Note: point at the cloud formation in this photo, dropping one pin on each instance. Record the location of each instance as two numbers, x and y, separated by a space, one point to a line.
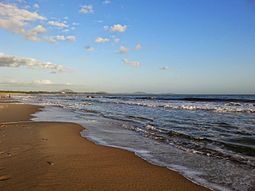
18 83
19 21
15 19
42 82
131 63
34 33
16 62
57 24
102 40
118 28
57 38
86 9
123 50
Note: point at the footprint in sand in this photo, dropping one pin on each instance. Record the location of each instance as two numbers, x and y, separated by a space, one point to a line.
4 178
50 163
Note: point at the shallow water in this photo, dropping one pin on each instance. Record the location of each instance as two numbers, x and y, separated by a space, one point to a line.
209 139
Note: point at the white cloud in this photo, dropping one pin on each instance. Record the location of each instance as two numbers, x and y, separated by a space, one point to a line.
131 63
118 28
42 82
19 21
138 46
164 68
57 38
34 82
16 62
57 24
123 50
15 19
39 29
86 9
106 27
36 5
102 40
89 48
9 82
71 38
106 2
33 34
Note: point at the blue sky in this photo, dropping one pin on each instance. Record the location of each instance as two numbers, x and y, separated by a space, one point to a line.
175 46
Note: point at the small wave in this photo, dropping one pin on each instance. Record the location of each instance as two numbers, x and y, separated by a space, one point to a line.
211 107
219 100
90 111
150 127
200 145
185 98
142 118
242 106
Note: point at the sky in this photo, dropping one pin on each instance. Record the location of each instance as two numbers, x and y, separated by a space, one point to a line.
125 46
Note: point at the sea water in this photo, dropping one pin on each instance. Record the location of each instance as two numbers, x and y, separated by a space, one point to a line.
210 139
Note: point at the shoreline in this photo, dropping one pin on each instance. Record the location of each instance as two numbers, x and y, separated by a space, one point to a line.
67 161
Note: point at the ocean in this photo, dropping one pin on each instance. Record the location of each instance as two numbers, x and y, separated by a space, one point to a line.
210 139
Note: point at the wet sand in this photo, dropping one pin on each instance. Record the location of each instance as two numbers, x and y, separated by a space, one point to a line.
48 156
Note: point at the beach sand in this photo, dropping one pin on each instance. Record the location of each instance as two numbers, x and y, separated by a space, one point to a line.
53 156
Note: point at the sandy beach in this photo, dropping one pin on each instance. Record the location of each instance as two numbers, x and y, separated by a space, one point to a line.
53 156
